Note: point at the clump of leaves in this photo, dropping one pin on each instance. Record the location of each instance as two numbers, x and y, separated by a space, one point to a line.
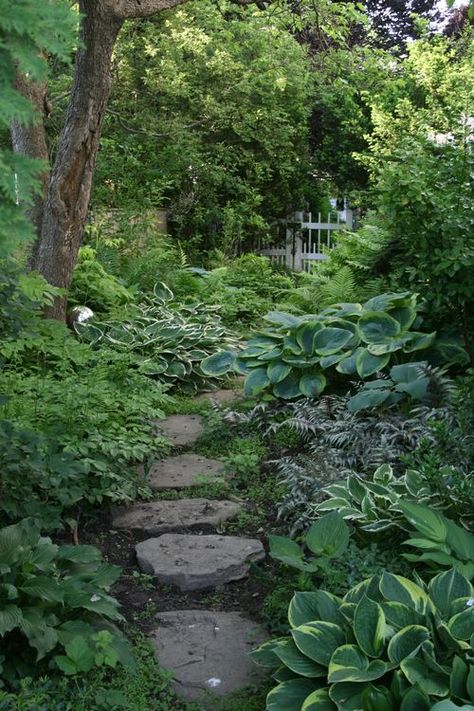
296 356
168 339
388 644
55 609
93 286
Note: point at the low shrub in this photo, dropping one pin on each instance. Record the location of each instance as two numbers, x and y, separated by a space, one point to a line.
93 286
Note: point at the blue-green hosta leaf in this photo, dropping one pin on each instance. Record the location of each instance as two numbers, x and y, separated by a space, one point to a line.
297 662
305 335
366 399
330 340
419 341
390 301
328 536
396 588
368 364
405 315
290 695
447 705
348 663
429 681
447 587
376 326
312 384
314 606
348 366
10 617
407 372
243 366
280 318
415 700
330 360
369 627
458 678
318 640
256 381
405 642
388 345
318 701
278 371
218 364
288 388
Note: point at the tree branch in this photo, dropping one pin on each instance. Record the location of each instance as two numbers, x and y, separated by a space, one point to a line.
125 9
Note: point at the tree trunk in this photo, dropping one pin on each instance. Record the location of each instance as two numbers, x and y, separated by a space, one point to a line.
31 141
67 202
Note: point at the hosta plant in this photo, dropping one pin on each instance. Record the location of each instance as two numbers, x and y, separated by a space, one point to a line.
168 339
326 538
55 609
297 355
389 645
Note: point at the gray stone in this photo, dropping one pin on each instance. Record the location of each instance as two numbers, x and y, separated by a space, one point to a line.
157 517
198 562
207 651
183 471
220 396
181 430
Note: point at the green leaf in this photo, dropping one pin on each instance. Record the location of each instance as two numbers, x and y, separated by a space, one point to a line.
290 695
458 678
366 399
305 335
400 616
430 682
330 340
375 326
280 318
291 656
288 388
318 640
318 701
314 606
218 364
286 551
405 642
369 627
461 625
256 381
399 589
429 522
447 587
368 364
265 656
312 384
10 617
43 588
278 371
415 700
348 663
419 341
328 536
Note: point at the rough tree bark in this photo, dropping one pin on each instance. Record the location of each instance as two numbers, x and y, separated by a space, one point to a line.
68 194
31 141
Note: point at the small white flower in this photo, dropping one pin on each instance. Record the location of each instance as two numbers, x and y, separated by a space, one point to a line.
470 602
95 598
213 682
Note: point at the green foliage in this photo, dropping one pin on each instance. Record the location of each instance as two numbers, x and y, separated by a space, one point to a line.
168 340
328 537
388 644
92 286
29 31
296 355
55 607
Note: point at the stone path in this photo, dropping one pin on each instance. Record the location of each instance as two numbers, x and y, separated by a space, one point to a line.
207 651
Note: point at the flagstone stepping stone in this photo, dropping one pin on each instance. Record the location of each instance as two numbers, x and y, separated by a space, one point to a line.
220 396
157 517
194 562
182 430
183 471
207 651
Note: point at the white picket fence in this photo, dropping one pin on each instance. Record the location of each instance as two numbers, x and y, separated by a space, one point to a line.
306 241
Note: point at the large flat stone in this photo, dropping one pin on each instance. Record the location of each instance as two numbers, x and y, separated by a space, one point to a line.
181 430
198 562
207 651
183 471
157 517
220 397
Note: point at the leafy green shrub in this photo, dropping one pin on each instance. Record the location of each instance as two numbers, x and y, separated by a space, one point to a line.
294 357
55 610
169 340
413 639
93 286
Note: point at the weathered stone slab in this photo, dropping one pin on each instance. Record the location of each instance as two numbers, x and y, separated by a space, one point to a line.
158 517
182 430
220 397
198 562
183 471
207 651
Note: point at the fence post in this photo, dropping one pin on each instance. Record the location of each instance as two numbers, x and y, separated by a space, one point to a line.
289 248
349 219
